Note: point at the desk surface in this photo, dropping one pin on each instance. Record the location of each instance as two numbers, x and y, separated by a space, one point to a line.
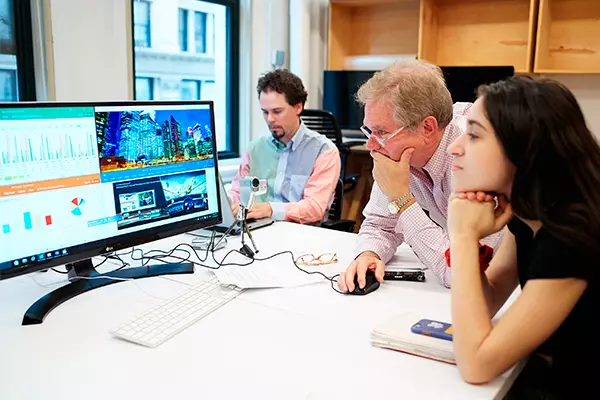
307 342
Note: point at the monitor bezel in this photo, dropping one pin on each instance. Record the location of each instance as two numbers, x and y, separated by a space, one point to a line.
116 243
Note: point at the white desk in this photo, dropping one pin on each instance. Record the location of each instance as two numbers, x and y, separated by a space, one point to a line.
300 343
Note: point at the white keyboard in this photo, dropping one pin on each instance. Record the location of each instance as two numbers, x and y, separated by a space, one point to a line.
161 323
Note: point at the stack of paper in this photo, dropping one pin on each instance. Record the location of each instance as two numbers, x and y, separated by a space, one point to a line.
395 334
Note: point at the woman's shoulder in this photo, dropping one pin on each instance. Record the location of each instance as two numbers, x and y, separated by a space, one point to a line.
516 226
557 258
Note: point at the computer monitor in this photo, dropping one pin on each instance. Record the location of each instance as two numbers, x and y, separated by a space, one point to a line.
340 87
78 180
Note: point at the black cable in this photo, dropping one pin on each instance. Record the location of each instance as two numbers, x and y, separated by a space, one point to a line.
164 256
330 279
148 256
222 263
114 256
210 245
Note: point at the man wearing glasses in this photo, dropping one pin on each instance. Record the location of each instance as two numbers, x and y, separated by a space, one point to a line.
409 122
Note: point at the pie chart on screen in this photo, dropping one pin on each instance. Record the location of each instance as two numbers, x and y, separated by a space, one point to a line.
76 204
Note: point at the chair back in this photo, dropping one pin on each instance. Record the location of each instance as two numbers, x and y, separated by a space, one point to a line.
323 122
335 211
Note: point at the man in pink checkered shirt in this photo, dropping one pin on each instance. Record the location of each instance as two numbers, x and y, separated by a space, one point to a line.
410 121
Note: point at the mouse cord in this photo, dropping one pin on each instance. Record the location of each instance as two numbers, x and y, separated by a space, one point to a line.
331 280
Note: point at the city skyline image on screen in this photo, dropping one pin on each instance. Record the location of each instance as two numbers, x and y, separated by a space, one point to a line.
145 138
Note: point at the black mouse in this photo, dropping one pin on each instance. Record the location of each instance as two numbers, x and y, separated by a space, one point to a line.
371 284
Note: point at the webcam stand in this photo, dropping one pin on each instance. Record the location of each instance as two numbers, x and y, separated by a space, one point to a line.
245 250
243 224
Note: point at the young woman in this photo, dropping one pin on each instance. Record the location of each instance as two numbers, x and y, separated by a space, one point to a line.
528 162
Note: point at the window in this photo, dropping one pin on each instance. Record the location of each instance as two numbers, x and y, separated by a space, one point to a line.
144 88
8 85
200 32
190 89
183 29
194 56
141 23
208 90
16 51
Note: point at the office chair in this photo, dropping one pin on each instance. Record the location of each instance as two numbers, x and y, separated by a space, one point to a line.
325 123
335 220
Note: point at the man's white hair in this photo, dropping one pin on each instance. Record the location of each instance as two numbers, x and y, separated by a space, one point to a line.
415 89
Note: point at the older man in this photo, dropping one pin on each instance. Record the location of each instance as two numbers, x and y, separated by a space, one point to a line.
410 121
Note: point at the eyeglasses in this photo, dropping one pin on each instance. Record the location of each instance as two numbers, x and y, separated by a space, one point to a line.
381 137
323 259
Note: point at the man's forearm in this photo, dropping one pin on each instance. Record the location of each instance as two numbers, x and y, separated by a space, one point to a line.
427 240
306 211
378 232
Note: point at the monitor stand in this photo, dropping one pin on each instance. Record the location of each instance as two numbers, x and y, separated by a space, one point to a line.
38 310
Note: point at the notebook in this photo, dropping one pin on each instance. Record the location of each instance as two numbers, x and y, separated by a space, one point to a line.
228 217
395 334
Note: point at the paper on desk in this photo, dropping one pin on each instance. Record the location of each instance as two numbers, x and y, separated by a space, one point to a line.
266 274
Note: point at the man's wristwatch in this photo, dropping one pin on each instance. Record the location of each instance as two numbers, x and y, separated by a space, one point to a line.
395 206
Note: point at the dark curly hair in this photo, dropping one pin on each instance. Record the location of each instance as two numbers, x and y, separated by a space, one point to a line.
283 82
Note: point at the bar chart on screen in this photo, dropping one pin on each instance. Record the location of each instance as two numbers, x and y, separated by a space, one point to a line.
37 150
54 219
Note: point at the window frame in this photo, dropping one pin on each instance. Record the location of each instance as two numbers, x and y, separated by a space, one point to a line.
14 78
198 87
232 114
148 42
204 36
183 15
151 85
23 38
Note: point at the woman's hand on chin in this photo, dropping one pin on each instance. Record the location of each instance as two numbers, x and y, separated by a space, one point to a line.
475 215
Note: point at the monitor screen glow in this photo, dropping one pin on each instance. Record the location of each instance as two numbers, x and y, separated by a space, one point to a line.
78 180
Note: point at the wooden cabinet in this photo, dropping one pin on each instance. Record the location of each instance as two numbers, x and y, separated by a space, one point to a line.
360 28
568 37
540 36
478 32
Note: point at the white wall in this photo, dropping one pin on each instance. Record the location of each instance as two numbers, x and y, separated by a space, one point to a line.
308 45
270 32
586 89
90 41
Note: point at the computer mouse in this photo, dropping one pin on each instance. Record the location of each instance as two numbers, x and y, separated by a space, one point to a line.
371 284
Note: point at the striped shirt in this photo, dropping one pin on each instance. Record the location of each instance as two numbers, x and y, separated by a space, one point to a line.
301 177
422 225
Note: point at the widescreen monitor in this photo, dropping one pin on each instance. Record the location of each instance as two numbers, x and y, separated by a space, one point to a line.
80 180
